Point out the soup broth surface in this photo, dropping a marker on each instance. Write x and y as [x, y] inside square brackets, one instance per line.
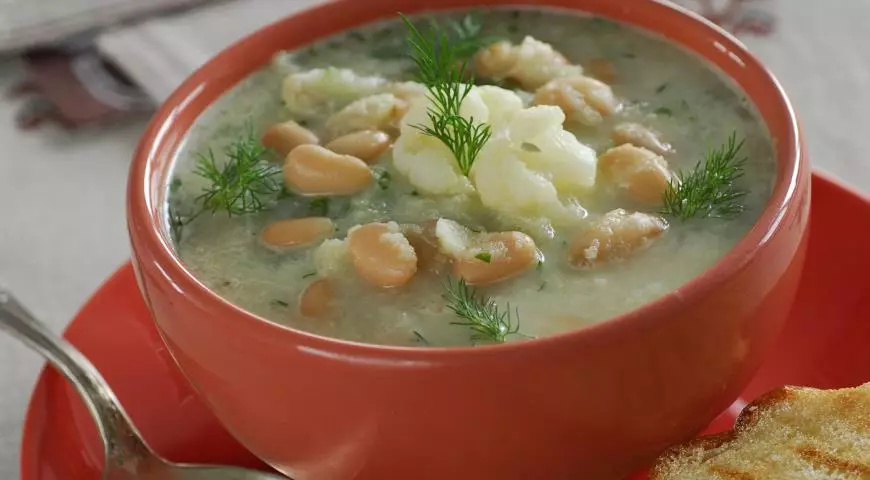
[660, 86]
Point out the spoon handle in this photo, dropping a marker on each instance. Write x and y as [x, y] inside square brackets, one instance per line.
[120, 437]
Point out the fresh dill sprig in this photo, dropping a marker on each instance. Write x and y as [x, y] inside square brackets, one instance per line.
[463, 33]
[479, 313]
[177, 221]
[466, 35]
[419, 338]
[709, 190]
[239, 185]
[442, 70]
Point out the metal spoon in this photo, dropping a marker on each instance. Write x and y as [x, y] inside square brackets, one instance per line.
[127, 456]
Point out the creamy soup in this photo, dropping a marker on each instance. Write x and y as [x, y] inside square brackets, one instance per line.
[590, 169]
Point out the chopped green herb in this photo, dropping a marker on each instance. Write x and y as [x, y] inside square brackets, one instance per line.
[484, 257]
[513, 28]
[176, 225]
[463, 34]
[415, 193]
[419, 338]
[177, 222]
[309, 274]
[663, 111]
[174, 185]
[684, 104]
[318, 207]
[465, 37]
[543, 284]
[629, 55]
[280, 303]
[357, 36]
[479, 313]
[540, 264]
[239, 185]
[383, 178]
[709, 190]
[530, 147]
[661, 88]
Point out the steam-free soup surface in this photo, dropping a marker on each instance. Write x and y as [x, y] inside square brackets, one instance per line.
[688, 107]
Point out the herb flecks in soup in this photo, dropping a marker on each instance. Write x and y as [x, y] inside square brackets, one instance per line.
[448, 182]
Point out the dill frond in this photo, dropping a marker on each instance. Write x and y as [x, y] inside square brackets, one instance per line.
[709, 190]
[419, 338]
[466, 35]
[239, 185]
[479, 313]
[177, 222]
[442, 70]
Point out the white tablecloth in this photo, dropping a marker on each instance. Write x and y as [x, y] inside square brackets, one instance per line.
[62, 222]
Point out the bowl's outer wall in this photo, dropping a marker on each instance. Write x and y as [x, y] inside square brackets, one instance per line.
[590, 404]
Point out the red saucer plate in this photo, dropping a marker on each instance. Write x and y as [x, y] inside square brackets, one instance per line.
[824, 345]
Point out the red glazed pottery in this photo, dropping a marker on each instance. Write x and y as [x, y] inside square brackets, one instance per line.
[824, 345]
[564, 407]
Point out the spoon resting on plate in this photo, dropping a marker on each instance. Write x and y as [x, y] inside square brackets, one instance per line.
[127, 456]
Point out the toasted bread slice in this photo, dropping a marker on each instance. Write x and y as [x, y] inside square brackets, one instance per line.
[789, 433]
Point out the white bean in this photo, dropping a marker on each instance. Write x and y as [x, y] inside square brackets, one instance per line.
[315, 170]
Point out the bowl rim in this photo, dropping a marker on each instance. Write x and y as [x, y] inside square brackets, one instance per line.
[144, 218]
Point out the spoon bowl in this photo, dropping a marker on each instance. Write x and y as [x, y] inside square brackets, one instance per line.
[127, 456]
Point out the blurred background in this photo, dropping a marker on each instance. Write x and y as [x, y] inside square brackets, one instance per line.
[80, 78]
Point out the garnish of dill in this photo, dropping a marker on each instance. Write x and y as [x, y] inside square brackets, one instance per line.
[466, 36]
[419, 338]
[177, 221]
[463, 33]
[442, 70]
[479, 313]
[709, 190]
[241, 184]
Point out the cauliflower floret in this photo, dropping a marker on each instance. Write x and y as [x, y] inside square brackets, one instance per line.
[500, 103]
[408, 90]
[453, 238]
[525, 168]
[506, 184]
[395, 237]
[530, 167]
[532, 63]
[307, 94]
[429, 165]
[538, 63]
[331, 257]
[382, 111]
[547, 148]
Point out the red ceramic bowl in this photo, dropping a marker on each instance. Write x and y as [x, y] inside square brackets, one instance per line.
[594, 403]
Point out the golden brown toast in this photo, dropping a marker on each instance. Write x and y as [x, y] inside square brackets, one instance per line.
[789, 433]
